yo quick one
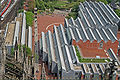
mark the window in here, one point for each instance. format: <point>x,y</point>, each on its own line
<point>101,45</point>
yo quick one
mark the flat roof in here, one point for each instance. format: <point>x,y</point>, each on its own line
<point>10,34</point>
<point>20,27</point>
<point>77,67</point>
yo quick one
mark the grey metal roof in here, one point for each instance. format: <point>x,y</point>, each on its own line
<point>97,35</point>
<point>102,68</point>
<point>107,14</point>
<point>92,12</point>
<point>71,31</point>
<point>30,38</point>
<point>111,10</point>
<point>61,58</point>
<point>79,23</point>
<point>90,34</point>
<point>111,16</point>
<point>92,25</point>
<point>94,68</point>
<point>73,54</point>
<point>67,58</point>
<point>23,29</point>
<point>62,35</point>
<point>48,47</point>
<point>66,24</point>
<point>56,36</point>
<point>51,46</point>
<point>111,35</point>
<point>83,29</point>
<point>58,49</point>
<point>78,33</point>
<point>86,68</point>
<point>90,18</point>
<point>6,30</point>
<point>96,18</point>
<point>40,43</point>
<point>16,34</point>
<point>82,33</point>
<point>75,34</point>
<point>103,35</point>
<point>43,45</point>
<point>57,56</point>
<point>71,21</point>
<point>98,12</point>
<point>67,64</point>
<point>113,56</point>
<point>84,18</point>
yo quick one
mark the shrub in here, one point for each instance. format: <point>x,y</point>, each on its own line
<point>29,18</point>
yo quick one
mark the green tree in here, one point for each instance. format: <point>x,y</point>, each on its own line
<point>75,7</point>
<point>31,5</point>
<point>46,0</point>
<point>117,11</point>
<point>47,5</point>
<point>74,12</point>
<point>21,3</point>
<point>82,0</point>
<point>29,18</point>
<point>104,1</point>
<point>109,1</point>
<point>12,51</point>
<point>70,1</point>
<point>42,5</point>
<point>52,9</point>
<point>28,50</point>
<point>37,4</point>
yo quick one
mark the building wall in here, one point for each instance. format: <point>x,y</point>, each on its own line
<point>71,74</point>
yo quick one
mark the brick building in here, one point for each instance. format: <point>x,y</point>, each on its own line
<point>93,31</point>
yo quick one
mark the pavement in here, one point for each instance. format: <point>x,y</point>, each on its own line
<point>45,23</point>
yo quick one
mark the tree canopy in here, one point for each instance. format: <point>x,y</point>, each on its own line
<point>29,18</point>
<point>104,1</point>
<point>31,5</point>
<point>117,12</point>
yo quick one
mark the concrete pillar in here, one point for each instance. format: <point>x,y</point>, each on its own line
<point>16,55</point>
<point>43,75</point>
